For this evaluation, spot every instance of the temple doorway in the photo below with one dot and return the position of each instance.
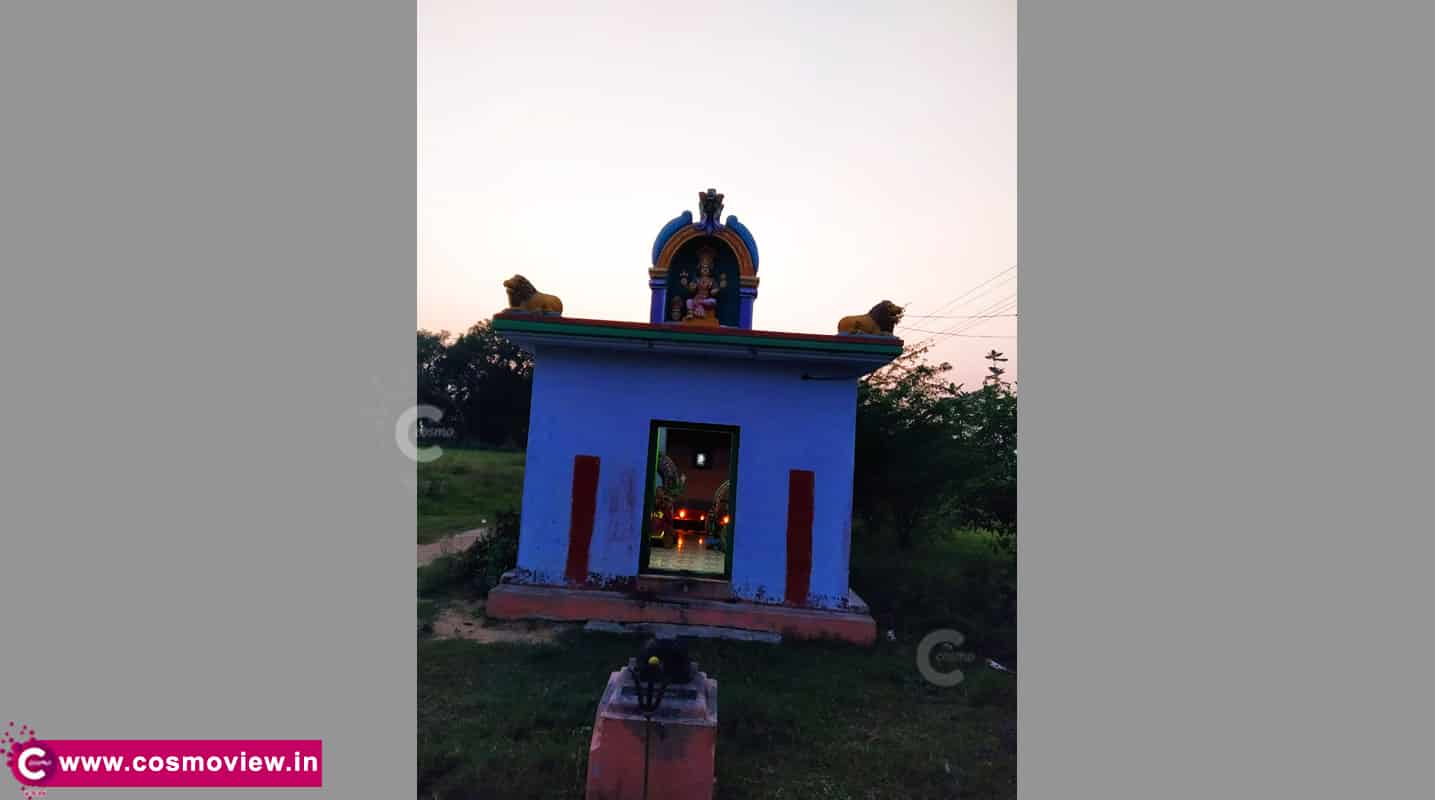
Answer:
(692, 481)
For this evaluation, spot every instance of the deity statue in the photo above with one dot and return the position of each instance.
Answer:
(702, 302)
(718, 515)
(667, 493)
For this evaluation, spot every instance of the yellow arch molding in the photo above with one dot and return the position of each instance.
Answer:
(683, 235)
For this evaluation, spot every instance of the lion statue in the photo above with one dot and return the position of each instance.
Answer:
(522, 296)
(879, 321)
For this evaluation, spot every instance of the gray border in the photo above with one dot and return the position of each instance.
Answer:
(207, 321)
(214, 199)
(1224, 217)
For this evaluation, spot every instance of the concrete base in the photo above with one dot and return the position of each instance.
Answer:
(679, 743)
(519, 601)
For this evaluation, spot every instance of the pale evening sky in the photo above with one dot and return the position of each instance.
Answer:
(870, 148)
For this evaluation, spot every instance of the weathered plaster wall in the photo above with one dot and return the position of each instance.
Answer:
(601, 403)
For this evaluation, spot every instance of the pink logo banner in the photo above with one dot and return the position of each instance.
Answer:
(163, 763)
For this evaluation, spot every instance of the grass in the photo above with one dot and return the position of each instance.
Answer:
(961, 580)
(466, 489)
(799, 720)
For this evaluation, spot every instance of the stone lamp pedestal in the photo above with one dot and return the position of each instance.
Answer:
(681, 746)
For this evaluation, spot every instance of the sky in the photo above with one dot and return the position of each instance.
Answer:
(870, 148)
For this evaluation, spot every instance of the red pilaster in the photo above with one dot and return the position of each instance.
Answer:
(580, 524)
(799, 536)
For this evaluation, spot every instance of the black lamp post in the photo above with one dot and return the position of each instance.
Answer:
(663, 661)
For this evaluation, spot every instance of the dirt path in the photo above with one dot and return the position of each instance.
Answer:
(450, 544)
(465, 620)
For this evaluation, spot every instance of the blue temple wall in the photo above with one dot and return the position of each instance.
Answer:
(602, 403)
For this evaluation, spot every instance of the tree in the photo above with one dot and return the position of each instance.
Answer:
(431, 390)
(481, 381)
(904, 451)
(995, 373)
(929, 451)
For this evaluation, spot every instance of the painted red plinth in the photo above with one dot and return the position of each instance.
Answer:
(681, 744)
(519, 601)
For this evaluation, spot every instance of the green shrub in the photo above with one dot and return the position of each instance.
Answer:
(495, 554)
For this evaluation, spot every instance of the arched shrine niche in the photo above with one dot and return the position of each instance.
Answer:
(681, 293)
(704, 270)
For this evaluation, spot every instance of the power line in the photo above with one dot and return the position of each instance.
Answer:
(1003, 305)
(963, 335)
(1005, 286)
(1009, 306)
(968, 296)
(954, 316)
(979, 295)
(968, 292)
(968, 322)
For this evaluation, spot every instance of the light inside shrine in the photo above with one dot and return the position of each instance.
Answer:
(693, 471)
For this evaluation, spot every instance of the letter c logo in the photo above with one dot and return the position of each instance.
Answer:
(409, 420)
(22, 763)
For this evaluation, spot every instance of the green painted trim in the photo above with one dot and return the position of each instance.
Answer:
(645, 529)
(728, 548)
(700, 338)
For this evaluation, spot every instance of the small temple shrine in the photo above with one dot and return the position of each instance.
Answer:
(692, 469)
